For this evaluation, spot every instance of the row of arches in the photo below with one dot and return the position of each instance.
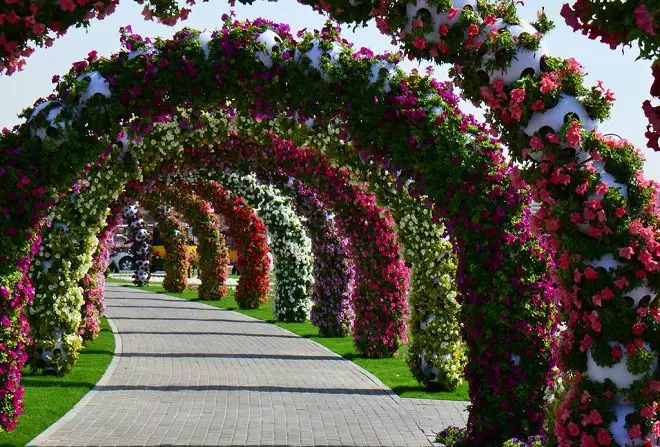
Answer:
(410, 126)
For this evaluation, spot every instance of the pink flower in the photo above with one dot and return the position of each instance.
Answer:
(452, 13)
(644, 19)
(626, 252)
(538, 105)
(573, 134)
(518, 95)
(585, 343)
(536, 143)
(548, 83)
(498, 85)
(590, 273)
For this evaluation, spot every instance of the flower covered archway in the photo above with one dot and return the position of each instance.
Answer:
(407, 123)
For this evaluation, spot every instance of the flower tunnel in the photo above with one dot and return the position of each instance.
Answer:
(407, 123)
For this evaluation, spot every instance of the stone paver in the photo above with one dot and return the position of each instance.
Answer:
(189, 374)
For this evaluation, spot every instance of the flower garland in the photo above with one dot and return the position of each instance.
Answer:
(334, 273)
(14, 328)
(93, 283)
(290, 246)
(248, 235)
(174, 235)
(138, 236)
(395, 118)
(617, 23)
(65, 256)
(25, 21)
(211, 247)
(611, 22)
(435, 351)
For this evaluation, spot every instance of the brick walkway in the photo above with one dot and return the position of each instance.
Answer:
(189, 374)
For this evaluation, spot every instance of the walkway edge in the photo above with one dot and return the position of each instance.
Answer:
(44, 435)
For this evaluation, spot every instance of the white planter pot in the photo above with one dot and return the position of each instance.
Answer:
(554, 117)
(606, 261)
(618, 373)
(618, 427)
(640, 293)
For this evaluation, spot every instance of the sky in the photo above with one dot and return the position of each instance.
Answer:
(629, 79)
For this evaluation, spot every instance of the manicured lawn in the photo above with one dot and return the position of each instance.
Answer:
(48, 397)
(393, 372)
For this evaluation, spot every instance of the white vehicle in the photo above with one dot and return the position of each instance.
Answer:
(122, 260)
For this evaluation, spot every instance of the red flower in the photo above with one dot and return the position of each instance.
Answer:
(67, 5)
(419, 43)
(644, 19)
(616, 352)
(638, 328)
(648, 412)
(635, 431)
(604, 437)
(631, 349)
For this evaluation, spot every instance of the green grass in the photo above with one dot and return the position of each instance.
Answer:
(48, 398)
(393, 372)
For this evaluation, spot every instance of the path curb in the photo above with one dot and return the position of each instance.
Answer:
(44, 435)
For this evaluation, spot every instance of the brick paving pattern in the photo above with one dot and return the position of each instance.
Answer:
(190, 374)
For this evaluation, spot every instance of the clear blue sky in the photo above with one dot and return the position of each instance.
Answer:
(629, 79)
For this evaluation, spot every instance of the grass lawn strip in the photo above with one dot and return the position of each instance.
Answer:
(393, 372)
(48, 397)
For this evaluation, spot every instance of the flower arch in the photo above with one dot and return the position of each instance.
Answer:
(175, 239)
(334, 271)
(406, 122)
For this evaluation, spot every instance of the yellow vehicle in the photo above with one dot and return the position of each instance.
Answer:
(158, 249)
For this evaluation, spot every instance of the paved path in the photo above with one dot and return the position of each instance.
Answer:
(189, 374)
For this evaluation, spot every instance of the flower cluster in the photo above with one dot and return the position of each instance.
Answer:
(93, 283)
(612, 23)
(334, 273)
(248, 235)
(14, 329)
